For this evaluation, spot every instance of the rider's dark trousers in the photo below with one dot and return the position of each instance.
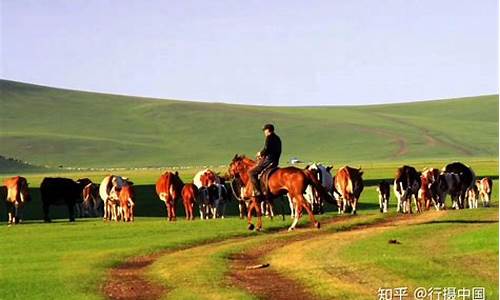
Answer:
(255, 171)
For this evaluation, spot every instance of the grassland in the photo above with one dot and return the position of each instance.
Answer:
(69, 261)
(46, 128)
(54, 127)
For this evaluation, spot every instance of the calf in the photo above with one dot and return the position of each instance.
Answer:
(406, 186)
(472, 196)
(485, 187)
(127, 204)
(384, 193)
(428, 177)
(220, 196)
(189, 194)
(206, 205)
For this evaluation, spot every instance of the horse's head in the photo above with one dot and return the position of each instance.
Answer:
(239, 166)
(236, 166)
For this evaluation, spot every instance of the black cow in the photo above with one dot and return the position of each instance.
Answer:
(467, 180)
(61, 191)
(406, 186)
(384, 193)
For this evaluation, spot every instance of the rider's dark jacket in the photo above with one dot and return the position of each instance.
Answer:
(272, 148)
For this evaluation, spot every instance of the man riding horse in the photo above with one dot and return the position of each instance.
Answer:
(291, 180)
(269, 157)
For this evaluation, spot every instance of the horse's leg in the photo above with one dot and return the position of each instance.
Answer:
(186, 209)
(307, 206)
(272, 206)
(259, 217)
(249, 215)
(240, 204)
(298, 212)
(292, 209)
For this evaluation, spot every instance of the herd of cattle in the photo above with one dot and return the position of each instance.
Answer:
(114, 198)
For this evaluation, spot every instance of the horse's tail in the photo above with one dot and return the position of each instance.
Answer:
(323, 193)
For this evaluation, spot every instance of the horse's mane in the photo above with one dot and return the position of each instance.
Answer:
(243, 158)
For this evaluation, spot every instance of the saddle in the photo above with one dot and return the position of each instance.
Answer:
(264, 179)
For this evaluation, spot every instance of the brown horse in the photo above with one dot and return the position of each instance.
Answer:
(291, 180)
(168, 188)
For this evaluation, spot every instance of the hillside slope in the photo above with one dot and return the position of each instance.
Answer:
(49, 126)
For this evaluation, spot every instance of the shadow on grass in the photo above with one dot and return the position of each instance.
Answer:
(462, 222)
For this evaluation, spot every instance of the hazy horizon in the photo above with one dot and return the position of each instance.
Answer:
(282, 53)
(249, 104)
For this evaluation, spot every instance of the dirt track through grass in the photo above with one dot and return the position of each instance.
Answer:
(127, 281)
(268, 283)
(130, 280)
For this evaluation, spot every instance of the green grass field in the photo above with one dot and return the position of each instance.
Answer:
(69, 261)
(53, 127)
(46, 128)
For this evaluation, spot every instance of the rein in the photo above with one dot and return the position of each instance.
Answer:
(234, 192)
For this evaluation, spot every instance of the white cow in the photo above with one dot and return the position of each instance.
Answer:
(325, 177)
(206, 207)
(109, 195)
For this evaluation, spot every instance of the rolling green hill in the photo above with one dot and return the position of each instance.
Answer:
(49, 126)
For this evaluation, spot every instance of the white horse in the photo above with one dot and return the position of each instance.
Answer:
(325, 177)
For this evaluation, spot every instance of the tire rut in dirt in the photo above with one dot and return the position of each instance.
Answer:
(263, 282)
(127, 281)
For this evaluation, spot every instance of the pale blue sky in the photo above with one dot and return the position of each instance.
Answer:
(256, 52)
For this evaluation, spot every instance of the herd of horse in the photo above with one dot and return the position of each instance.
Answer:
(307, 189)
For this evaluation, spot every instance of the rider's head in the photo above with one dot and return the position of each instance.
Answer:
(268, 129)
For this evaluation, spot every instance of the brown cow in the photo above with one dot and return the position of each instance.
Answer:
(168, 188)
(91, 200)
(348, 183)
(17, 196)
(472, 196)
(425, 199)
(127, 202)
(189, 195)
(485, 186)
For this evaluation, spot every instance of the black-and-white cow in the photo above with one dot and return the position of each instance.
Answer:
(384, 193)
(406, 186)
(467, 179)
